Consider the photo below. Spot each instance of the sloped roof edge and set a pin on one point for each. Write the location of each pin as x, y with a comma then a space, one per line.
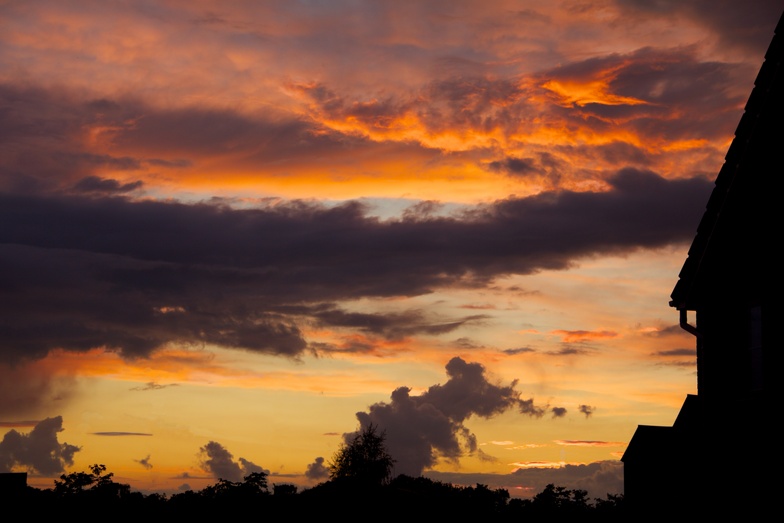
683, 295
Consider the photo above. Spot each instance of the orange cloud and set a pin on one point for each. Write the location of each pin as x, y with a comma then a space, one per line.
581, 93
583, 335
206, 369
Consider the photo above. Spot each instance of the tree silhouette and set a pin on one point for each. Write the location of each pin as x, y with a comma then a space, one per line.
361, 480
97, 480
364, 458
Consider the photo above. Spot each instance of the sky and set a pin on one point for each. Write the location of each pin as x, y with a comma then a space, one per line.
232, 234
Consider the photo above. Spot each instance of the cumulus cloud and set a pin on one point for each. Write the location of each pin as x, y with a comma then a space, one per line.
317, 470
218, 461
422, 429
38, 451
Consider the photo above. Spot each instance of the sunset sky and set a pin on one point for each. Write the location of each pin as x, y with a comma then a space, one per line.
232, 233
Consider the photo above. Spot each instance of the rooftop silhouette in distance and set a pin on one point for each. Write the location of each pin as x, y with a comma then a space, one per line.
720, 453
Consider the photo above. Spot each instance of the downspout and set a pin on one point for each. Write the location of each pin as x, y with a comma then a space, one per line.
685, 325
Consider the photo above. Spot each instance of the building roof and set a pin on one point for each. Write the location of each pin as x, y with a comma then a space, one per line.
733, 244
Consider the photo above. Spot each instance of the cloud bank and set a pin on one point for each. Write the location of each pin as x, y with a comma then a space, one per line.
135, 276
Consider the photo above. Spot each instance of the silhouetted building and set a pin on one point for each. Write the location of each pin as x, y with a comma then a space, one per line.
722, 452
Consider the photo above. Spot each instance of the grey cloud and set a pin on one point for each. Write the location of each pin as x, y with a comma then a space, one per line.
587, 410
422, 429
218, 461
558, 412
519, 350
317, 470
422, 210
39, 451
248, 467
484, 456
144, 462
570, 350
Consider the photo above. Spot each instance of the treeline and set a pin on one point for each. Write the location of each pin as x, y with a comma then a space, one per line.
96, 493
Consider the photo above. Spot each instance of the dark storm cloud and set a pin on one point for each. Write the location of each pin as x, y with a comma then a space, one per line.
422, 429
219, 462
79, 273
39, 451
